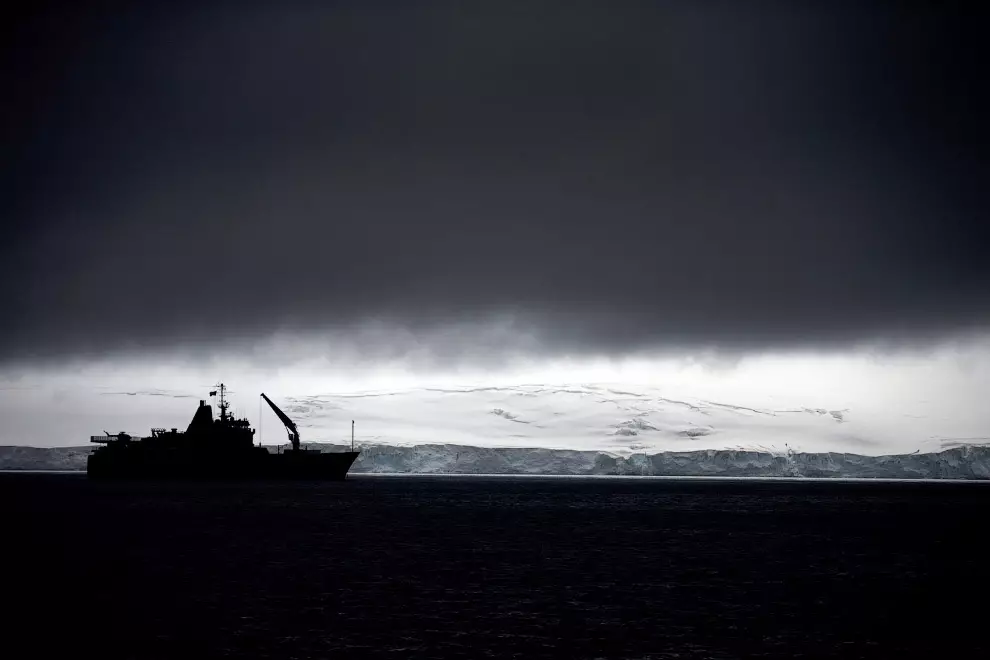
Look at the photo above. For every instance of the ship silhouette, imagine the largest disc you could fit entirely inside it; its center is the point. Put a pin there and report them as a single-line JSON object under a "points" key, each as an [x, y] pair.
{"points": [[211, 447]]}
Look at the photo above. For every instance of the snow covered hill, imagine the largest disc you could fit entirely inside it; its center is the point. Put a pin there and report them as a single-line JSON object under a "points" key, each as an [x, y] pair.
{"points": [[623, 420]]}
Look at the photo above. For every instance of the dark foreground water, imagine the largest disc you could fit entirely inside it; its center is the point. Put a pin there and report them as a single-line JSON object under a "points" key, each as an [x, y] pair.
{"points": [[419, 567]]}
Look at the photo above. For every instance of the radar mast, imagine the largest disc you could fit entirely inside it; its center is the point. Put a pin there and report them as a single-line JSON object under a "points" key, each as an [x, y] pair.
{"points": [[223, 402]]}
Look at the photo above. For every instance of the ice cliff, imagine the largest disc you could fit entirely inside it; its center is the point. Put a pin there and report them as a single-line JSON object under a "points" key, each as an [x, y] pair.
{"points": [[967, 462]]}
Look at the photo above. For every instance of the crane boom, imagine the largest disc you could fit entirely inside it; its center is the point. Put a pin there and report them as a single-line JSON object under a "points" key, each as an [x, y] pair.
{"points": [[290, 426]]}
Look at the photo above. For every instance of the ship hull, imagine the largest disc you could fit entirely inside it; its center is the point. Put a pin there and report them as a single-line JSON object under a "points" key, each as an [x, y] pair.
{"points": [[259, 465]]}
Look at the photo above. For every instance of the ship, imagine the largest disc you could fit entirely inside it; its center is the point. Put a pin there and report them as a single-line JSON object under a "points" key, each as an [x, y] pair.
{"points": [[214, 447]]}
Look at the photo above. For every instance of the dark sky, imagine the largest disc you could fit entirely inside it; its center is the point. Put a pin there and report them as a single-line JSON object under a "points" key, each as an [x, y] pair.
{"points": [[616, 175]]}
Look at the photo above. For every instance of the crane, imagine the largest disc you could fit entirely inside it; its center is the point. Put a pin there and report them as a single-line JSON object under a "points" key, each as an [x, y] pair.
{"points": [[290, 426]]}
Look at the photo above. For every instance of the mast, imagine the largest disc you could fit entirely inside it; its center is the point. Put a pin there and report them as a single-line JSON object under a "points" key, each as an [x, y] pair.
{"points": [[223, 403]]}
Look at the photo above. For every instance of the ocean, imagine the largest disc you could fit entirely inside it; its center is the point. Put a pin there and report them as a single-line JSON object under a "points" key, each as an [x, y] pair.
{"points": [[494, 567]]}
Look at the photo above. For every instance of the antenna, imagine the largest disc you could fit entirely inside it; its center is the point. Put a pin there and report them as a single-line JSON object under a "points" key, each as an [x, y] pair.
{"points": [[352, 435]]}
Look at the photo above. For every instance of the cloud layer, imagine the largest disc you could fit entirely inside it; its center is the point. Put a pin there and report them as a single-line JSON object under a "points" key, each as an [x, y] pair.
{"points": [[581, 178]]}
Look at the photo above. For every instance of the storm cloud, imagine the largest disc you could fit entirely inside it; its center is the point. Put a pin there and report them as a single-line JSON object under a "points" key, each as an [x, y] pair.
{"points": [[606, 176]]}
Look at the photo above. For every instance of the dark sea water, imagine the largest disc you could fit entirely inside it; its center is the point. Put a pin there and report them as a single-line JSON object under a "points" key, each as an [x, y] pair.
{"points": [[499, 567]]}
